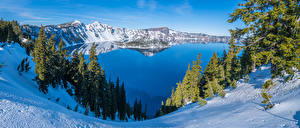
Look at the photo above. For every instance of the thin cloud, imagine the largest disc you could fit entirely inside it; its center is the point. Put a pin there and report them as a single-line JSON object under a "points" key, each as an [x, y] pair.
{"points": [[141, 3], [31, 16], [184, 8], [150, 4], [21, 11]]}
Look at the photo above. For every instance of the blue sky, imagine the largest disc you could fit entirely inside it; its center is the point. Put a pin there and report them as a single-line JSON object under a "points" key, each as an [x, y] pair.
{"points": [[203, 16]]}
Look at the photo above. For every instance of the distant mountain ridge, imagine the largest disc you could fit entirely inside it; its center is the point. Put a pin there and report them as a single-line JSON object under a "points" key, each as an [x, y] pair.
{"points": [[77, 32], [108, 37]]}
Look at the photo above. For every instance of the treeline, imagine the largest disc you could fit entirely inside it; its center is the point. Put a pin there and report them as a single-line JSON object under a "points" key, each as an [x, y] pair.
{"points": [[91, 89], [271, 36], [10, 31], [198, 85], [85, 80]]}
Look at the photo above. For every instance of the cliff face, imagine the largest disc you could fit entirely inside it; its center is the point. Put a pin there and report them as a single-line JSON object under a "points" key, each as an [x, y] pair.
{"points": [[108, 38], [76, 32]]}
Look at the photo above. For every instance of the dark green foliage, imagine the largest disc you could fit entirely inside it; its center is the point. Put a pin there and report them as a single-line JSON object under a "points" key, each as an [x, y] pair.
{"points": [[211, 79], [86, 111], [40, 53], [247, 78], [220, 72], [28, 45], [23, 66], [10, 31], [144, 114], [54, 67], [270, 34], [267, 97], [137, 110], [128, 110], [122, 110], [76, 108]]}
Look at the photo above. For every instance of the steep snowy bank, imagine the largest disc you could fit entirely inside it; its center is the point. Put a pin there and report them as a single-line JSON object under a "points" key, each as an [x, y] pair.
{"points": [[22, 105]]}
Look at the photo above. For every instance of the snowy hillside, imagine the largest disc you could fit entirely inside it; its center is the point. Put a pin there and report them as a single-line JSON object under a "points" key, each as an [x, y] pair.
{"points": [[22, 105]]}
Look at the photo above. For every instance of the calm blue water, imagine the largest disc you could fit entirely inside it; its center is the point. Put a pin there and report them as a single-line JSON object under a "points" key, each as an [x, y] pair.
{"points": [[156, 75]]}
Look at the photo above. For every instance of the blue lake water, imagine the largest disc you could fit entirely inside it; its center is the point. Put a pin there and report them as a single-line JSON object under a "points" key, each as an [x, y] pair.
{"points": [[155, 76]]}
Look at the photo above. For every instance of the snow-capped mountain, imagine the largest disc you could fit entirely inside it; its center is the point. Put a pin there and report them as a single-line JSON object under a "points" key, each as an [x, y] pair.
{"points": [[77, 32]]}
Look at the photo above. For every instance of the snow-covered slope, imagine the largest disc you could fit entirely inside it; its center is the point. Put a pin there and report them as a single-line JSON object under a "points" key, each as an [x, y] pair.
{"points": [[22, 105]]}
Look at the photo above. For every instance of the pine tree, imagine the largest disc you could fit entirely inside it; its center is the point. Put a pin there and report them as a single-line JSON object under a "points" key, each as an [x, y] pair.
{"points": [[186, 86], [208, 90], [267, 97], [179, 96], [53, 63], [196, 94], [76, 108], [113, 101], [21, 66], [118, 97], [211, 83], [128, 110], [39, 57], [64, 65], [135, 110], [122, 103], [247, 78], [93, 75], [145, 113], [202, 102], [271, 33], [139, 110], [196, 76], [86, 112]]}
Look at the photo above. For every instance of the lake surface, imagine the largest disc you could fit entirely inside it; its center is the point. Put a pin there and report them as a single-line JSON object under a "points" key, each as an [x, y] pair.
{"points": [[148, 77], [156, 75]]}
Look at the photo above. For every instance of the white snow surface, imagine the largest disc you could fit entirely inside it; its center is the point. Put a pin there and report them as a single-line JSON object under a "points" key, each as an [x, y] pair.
{"points": [[22, 105]]}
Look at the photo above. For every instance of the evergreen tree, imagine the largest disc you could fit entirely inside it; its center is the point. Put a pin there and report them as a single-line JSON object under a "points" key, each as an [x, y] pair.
{"points": [[139, 110], [135, 110], [186, 86], [118, 96], [145, 113], [40, 58], [271, 33], [247, 78], [211, 83], [53, 63], [86, 112], [128, 110], [64, 65], [267, 97], [179, 96], [113, 101], [94, 79], [122, 112], [76, 108]]}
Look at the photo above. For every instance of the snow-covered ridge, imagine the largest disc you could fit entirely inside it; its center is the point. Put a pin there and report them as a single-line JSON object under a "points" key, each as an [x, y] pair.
{"points": [[77, 32]]}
